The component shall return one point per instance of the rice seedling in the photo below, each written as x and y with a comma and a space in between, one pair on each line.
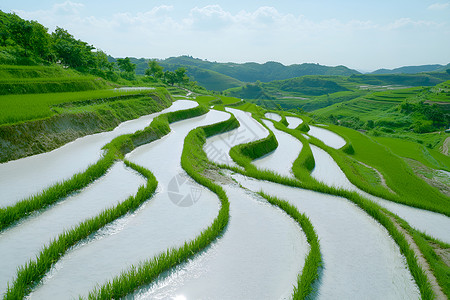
20, 108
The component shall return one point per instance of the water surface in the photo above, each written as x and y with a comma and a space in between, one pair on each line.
293, 122
328, 137
273, 116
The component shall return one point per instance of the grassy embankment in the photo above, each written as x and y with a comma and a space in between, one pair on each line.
36, 123
194, 162
32, 272
380, 214
42, 79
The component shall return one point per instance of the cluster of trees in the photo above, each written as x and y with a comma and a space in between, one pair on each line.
157, 72
25, 42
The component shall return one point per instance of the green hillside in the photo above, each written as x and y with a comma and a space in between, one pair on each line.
413, 69
252, 72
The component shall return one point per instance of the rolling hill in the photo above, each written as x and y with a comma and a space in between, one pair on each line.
413, 69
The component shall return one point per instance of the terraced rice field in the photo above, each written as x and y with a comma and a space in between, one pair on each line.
199, 229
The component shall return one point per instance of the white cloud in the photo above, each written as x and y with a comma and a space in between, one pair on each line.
407, 22
262, 34
67, 8
439, 6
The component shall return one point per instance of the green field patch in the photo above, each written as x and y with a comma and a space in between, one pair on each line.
20, 108
404, 148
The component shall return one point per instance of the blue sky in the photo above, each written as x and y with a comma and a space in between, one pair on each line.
364, 35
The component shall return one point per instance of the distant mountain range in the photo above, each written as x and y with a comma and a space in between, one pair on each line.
222, 76
413, 69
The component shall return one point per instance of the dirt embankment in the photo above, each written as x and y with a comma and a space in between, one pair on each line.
38, 136
430, 176
445, 146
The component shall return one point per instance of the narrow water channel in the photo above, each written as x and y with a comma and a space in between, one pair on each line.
23, 241
163, 222
28, 176
217, 148
281, 159
258, 257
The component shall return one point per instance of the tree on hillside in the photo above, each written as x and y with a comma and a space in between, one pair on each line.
24, 41
170, 77
126, 65
180, 76
72, 52
154, 69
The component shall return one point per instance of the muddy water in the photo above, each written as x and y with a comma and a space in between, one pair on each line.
176, 213
258, 257
328, 137
434, 224
217, 148
24, 241
273, 116
293, 122
360, 260
282, 158
27, 176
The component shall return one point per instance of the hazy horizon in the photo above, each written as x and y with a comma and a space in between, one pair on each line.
363, 36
